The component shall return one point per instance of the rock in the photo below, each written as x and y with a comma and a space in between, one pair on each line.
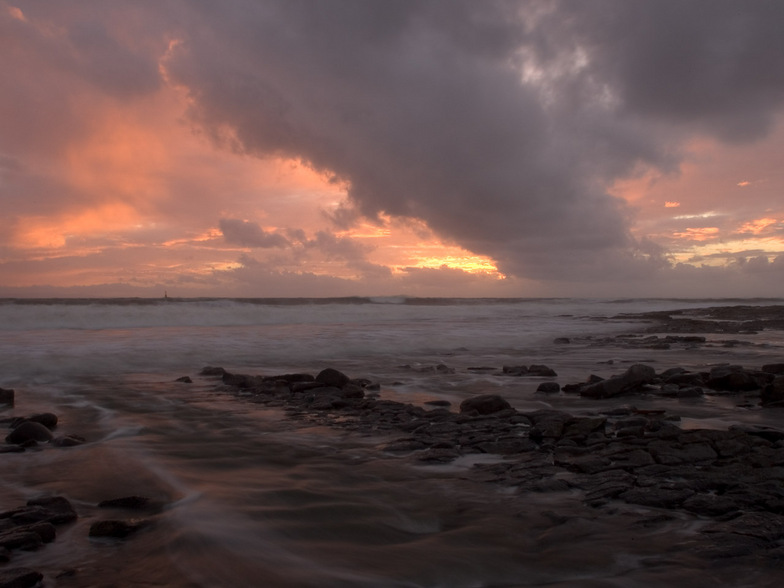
19, 578
212, 371
184, 380
20, 538
29, 431
658, 497
484, 404
5, 555
116, 528
765, 526
548, 388
561, 341
68, 441
129, 502
6, 396
636, 376
773, 368
58, 508
773, 393
735, 378
332, 377
541, 370
515, 370
47, 419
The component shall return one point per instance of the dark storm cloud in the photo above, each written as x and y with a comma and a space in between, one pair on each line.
500, 124
249, 234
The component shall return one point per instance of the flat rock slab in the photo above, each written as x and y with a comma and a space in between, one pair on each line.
19, 578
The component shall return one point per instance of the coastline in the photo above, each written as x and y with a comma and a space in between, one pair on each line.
703, 499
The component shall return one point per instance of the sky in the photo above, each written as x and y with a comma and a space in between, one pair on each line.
267, 148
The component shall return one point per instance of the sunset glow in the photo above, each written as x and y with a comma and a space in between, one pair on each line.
155, 149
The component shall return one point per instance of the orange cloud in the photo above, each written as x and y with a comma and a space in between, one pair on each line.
669, 204
757, 227
698, 234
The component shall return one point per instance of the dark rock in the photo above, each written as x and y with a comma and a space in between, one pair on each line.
47, 419
352, 391
515, 370
773, 368
116, 528
130, 503
438, 455
541, 370
184, 380
19, 578
332, 377
444, 403
29, 431
298, 377
485, 404
20, 538
636, 376
6, 396
212, 371
68, 441
507, 446
561, 341
404, 446
59, 509
735, 378
657, 497
5, 555
548, 388
765, 526
773, 393
304, 386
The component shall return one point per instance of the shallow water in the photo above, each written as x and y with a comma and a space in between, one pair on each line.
255, 499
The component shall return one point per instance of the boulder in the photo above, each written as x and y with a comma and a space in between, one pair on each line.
484, 404
115, 528
548, 388
184, 380
773, 393
47, 419
29, 431
773, 368
19, 578
636, 376
332, 377
6, 396
212, 371
541, 370
735, 378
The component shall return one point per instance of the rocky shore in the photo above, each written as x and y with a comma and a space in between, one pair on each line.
730, 481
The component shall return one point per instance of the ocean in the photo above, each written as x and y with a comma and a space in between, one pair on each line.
254, 498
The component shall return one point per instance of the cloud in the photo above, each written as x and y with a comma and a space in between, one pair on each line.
501, 125
249, 234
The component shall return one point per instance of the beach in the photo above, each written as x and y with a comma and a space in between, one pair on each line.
340, 443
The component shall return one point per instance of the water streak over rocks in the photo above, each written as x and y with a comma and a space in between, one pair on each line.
734, 477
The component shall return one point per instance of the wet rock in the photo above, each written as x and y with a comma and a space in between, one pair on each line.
766, 526
438, 455
404, 446
541, 370
6, 396
773, 368
657, 497
29, 431
68, 441
548, 388
20, 538
59, 510
561, 341
131, 503
332, 377
484, 404
635, 377
212, 371
47, 419
773, 393
515, 370
184, 380
19, 578
116, 528
735, 378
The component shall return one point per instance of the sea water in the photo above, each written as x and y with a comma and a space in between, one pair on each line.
254, 499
